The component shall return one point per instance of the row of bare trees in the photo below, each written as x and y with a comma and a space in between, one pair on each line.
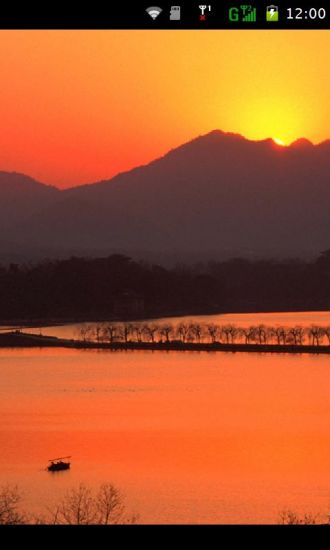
203, 333
83, 506
79, 506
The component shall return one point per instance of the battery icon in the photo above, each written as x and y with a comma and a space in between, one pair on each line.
272, 14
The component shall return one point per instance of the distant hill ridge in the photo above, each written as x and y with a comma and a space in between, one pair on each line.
217, 196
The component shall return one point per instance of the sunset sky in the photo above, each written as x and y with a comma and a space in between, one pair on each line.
80, 106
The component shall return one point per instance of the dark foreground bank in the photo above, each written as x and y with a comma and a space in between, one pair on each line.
118, 287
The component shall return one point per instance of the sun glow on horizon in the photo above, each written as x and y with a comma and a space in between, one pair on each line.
279, 141
114, 100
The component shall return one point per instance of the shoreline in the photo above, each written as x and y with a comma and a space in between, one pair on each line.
12, 324
25, 340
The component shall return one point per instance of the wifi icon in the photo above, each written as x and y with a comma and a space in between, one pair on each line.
154, 12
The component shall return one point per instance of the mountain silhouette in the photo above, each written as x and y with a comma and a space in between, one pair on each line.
22, 196
218, 196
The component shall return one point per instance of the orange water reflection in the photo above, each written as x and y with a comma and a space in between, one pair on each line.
189, 437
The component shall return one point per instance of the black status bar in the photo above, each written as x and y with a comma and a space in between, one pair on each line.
233, 15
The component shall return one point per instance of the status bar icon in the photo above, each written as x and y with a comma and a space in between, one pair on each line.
175, 13
272, 14
154, 11
249, 14
243, 14
204, 9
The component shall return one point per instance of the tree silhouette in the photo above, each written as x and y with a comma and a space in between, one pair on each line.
166, 331
213, 331
84, 289
10, 500
81, 506
183, 332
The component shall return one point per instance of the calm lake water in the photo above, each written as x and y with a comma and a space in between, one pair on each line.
188, 437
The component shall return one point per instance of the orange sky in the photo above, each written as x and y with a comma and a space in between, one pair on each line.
79, 106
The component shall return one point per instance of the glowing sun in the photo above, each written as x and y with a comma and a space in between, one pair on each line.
279, 141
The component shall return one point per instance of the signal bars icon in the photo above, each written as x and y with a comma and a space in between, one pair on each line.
153, 11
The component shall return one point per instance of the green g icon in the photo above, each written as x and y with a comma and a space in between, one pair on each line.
234, 14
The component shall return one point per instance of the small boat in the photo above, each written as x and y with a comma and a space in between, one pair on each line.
57, 464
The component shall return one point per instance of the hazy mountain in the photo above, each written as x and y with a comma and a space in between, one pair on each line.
219, 195
22, 196
21, 199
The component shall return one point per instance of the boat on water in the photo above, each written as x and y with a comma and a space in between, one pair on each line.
57, 464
